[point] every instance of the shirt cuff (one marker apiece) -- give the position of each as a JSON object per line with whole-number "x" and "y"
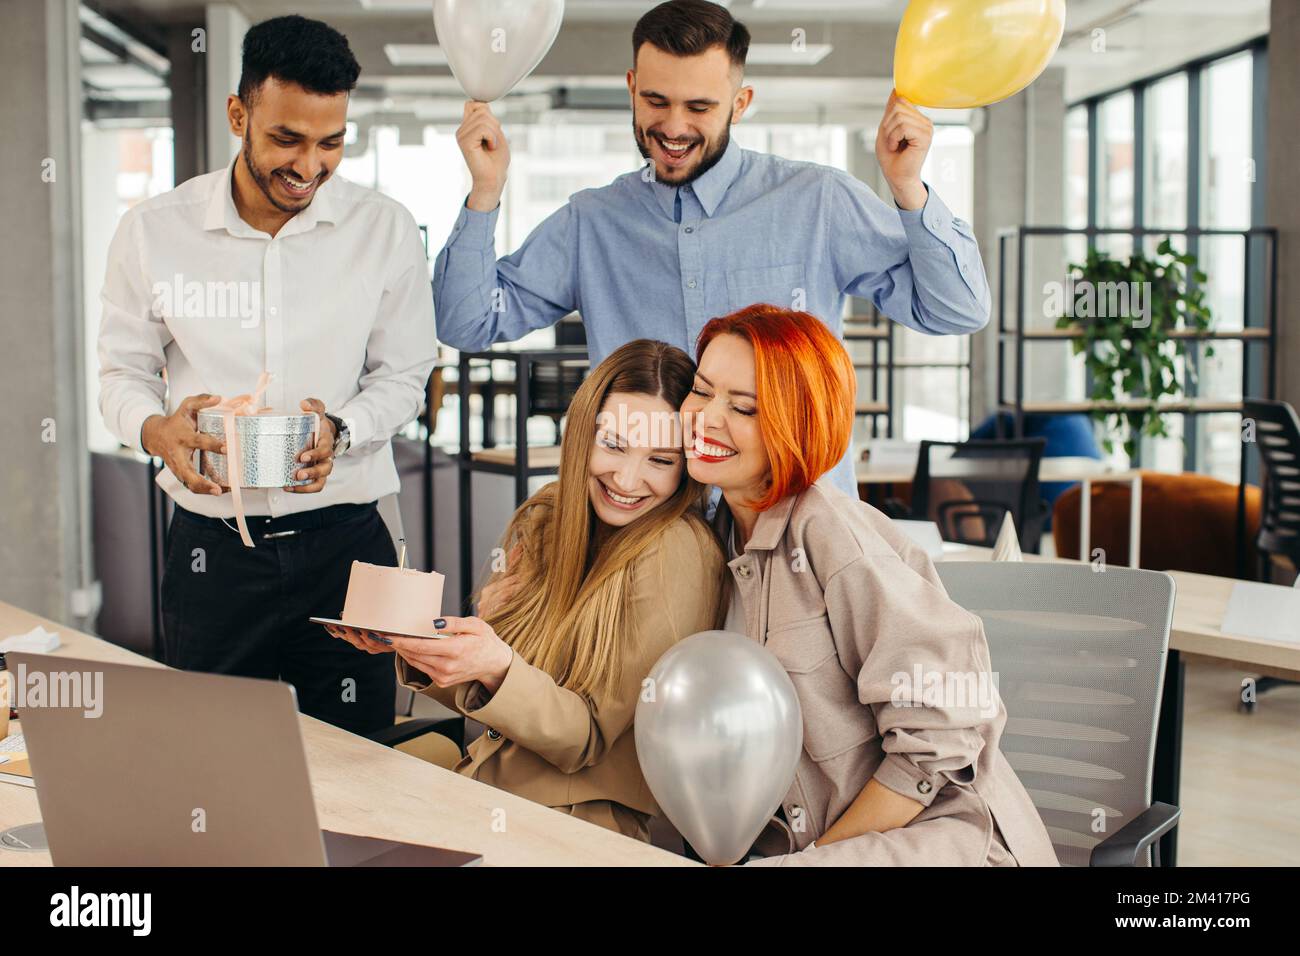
{"x": 931, "y": 226}
{"x": 133, "y": 423}
{"x": 360, "y": 428}
{"x": 906, "y": 779}
{"x": 521, "y": 690}
{"x": 475, "y": 229}
{"x": 409, "y": 677}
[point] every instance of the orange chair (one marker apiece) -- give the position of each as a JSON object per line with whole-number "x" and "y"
{"x": 1189, "y": 523}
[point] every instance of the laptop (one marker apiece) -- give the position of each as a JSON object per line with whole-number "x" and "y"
{"x": 149, "y": 766}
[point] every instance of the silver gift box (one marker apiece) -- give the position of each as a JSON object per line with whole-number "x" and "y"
{"x": 269, "y": 446}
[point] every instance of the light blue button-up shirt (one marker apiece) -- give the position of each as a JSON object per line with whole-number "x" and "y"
{"x": 642, "y": 259}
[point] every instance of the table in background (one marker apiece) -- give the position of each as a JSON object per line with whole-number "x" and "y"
{"x": 1065, "y": 469}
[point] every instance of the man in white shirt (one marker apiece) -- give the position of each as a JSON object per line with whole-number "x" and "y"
{"x": 273, "y": 264}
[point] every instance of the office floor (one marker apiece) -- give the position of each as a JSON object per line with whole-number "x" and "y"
{"x": 1241, "y": 773}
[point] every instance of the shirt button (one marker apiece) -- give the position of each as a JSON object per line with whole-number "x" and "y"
{"x": 273, "y": 310}
{"x": 744, "y": 571}
{"x": 690, "y": 283}
{"x": 493, "y": 734}
{"x": 924, "y": 786}
{"x": 689, "y": 230}
{"x": 965, "y": 268}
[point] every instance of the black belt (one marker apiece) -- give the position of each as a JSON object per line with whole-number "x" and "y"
{"x": 264, "y": 526}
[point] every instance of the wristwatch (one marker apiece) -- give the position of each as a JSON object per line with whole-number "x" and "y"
{"x": 342, "y": 434}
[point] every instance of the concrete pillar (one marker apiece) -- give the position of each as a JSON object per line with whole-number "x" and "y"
{"x": 1283, "y": 209}
{"x": 1020, "y": 180}
{"x": 44, "y": 466}
{"x": 187, "y": 81}
{"x": 226, "y": 26}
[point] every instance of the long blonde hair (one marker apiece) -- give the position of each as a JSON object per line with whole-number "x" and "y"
{"x": 569, "y": 611}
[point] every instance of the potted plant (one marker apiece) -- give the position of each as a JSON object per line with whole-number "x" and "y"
{"x": 1126, "y": 312}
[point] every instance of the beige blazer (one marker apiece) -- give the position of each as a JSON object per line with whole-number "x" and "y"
{"x": 857, "y": 615}
{"x": 574, "y": 753}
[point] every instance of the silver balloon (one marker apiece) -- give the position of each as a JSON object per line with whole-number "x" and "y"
{"x": 718, "y": 738}
{"x": 493, "y": 44}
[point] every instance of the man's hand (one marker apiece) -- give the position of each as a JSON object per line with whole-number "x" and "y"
{"x": 487, "y": 154}
{"x": 902, "y": 142}
{"x": 175, "y": 437}
{"x": 319, "y": 461}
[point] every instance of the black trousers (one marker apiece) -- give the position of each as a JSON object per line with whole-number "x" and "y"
{"x": 228, "y": 609}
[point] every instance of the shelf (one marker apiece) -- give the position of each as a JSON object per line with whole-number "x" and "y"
{"x": 872, "y": 408}
{"x": 1194, "y": 406}
{"x": 1068, "y": 334}
{"x": 540, "y": 457}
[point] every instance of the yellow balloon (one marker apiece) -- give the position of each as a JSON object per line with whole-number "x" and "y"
{"x": 956, "y": 54}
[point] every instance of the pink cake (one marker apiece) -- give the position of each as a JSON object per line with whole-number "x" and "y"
{"x": 396, "y": 600}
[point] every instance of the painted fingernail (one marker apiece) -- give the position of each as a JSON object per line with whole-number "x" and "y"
{"x": 440, "y": 623}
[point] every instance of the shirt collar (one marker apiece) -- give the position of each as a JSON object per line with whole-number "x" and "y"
{"x": 222, "y": 214}
{"x": 709, "y": 188}
{"x": 769, "y": 529}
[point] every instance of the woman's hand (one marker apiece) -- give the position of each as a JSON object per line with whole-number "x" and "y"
{"x": 368, "y": 641}
{"x": 471, "y": 651}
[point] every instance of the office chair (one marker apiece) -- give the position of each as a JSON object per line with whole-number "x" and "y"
{"x": 1079, "y": 660}
{"x": 967, "y": 488}
{"x": 1277, "y": 435}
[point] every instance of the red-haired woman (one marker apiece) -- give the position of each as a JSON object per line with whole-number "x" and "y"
{"x": 891, "y": 773}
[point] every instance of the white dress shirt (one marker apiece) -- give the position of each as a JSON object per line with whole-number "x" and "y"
{"x": 336, "y": 306}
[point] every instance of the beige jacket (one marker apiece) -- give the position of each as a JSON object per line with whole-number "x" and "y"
{"x": 894, "y": 683}
{"x": 574, "y": 753}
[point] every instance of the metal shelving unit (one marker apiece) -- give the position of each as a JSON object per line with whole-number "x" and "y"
{"x": 538, "y": 460}
{"x": 1015, "y": 337}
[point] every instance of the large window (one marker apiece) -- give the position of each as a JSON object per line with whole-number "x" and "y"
{"x": 931, "y": 375}
{"x": 1165, "y": 157}
{"x": 1115, "y": 170}
{"x": 1177, "y": 151}
{"x": 1226, "y": 183}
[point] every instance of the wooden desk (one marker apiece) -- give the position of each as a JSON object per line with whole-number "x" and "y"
{"x": 1199, "y": 607}
{"x": 364, "y": 788}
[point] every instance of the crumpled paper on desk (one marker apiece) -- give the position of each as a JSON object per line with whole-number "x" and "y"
{"x": 38, "y": 640}
{"x": 1007, "y": 547}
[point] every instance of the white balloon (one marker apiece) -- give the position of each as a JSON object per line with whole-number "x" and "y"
{"x": 493, "y": 44}
{"x": 718, "y": 740}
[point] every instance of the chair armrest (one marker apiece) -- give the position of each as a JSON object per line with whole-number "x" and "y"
{"x": 1125, "y": 846}
{"x": 452, "y": 727}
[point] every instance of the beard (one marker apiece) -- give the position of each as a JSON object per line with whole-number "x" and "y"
{"x": 711, "y": 154}
{"x": 263, "y": 180}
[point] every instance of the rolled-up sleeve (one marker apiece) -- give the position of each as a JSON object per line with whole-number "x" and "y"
{"x": 132, "y": 339}
{"x": 917, "y": 658}
{"x": 481, "y": 301}
{"x": 922, "y": 267}
{"x": 400, "y": 351}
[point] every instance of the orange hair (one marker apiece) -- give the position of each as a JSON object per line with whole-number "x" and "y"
{"x": 806, "y": 389}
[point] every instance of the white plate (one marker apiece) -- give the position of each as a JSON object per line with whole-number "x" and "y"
{"x": 377, "y": 630}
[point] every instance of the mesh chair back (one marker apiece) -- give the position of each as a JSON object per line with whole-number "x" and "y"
{"x": 1277, "y": 434}
{"x": 967, "y": 488}
{"x": 1079, "y": 658}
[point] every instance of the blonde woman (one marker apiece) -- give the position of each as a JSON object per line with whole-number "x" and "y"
{"x": 608, "y": 567}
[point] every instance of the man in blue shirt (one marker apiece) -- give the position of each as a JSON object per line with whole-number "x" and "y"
{"x": 706, "y": 228}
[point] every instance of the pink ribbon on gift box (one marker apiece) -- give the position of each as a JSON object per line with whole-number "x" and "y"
{"x": 231, "y": 408}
